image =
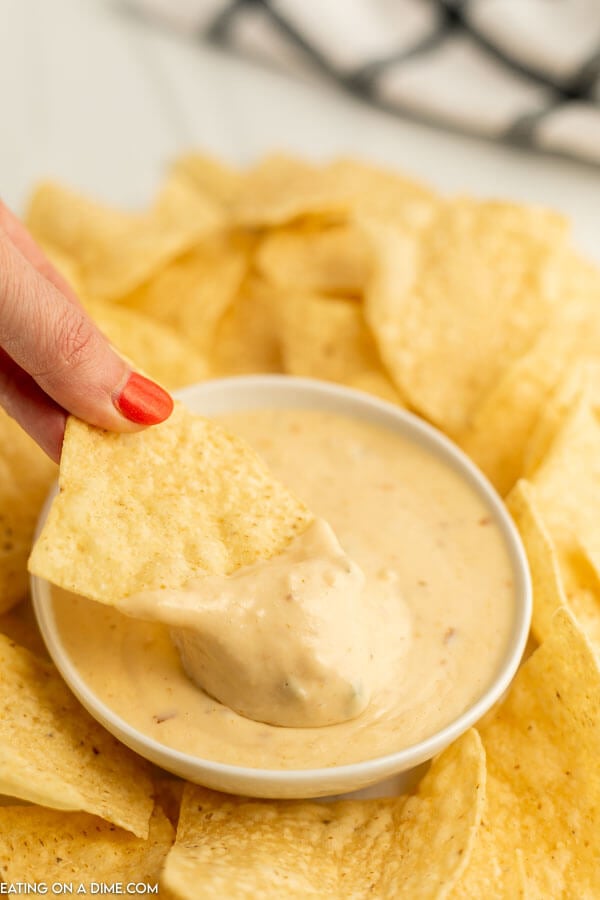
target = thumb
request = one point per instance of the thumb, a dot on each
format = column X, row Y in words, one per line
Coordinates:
column 55, row 341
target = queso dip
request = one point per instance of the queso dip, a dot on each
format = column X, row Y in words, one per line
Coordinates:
column 438, row 603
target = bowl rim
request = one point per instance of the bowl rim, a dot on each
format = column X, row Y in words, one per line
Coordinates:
column 345, row 401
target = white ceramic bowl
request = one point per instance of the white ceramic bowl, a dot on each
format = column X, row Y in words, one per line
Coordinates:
column 228, row 395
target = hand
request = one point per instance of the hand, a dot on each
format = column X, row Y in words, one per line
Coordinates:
column 53, row 359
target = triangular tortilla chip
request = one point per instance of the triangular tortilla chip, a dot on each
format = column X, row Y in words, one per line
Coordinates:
column 389, row 848
column 209, row 176
column 247, row 339
column 55, row 847
column 161, row 352
column 192, row 294
column 26, row 474
column 20, row 626
column 115, row 251
column 53, row 753
column 454, row 304
column 498, row 435
column 143, row 511
column 327, row 337
column 543, row 796
column 332, row 260
column 565, row 489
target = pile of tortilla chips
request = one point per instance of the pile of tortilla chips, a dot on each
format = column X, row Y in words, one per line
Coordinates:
column 478, row 315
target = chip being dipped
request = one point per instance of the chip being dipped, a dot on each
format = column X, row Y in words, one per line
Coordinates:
column 185, row 525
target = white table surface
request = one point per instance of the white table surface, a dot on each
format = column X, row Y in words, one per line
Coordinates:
column 92, row 95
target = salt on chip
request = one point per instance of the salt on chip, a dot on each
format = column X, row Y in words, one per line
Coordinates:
column 56, row 848
column 26, row 474
column 53, row 753
column 248, row 338
column 327, row 337
column 115, row 251
column 159, row 507
column 330, row 260
column 388, row 848
column 543, row 788
column 164, row 354
column 192, row 294
column 453, row 305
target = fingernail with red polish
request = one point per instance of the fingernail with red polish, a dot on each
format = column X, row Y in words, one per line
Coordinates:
column 144, row 402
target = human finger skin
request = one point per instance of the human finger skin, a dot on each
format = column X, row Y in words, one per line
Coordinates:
column 49, row 336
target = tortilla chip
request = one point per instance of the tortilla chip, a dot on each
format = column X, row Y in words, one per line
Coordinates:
column 51, row 846
column 26, row 474
column 511, row 428
column 192, row 294
column 491, row 874
column 282, row 189
column 582, row 378
column 500, row 431
column 387, row 848
column 326, row 337
column 53, row 753
column 161, row 352
column 566, row 484
column 452, row 306
column 168, row 793
column 548, row 592
column 247, row 339
column 543, row 795
column 116, row 251
column 565, row 489
column 20, row 626
column 332, row 260
column 159, row 507
column 209, row 176
column 384, row 193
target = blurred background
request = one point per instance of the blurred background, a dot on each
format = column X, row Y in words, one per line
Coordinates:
column 482, row 97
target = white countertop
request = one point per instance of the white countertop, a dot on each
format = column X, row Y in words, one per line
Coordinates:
column 94, row 96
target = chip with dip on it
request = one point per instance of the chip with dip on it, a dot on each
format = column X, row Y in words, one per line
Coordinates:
column 434, row 616
column 184, row 524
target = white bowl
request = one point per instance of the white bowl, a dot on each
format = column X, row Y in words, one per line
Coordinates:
column 272, row 391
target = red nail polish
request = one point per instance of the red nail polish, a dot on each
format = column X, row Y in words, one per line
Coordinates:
column 144, row 402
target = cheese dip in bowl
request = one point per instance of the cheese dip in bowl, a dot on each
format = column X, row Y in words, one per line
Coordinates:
column 447, row 603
